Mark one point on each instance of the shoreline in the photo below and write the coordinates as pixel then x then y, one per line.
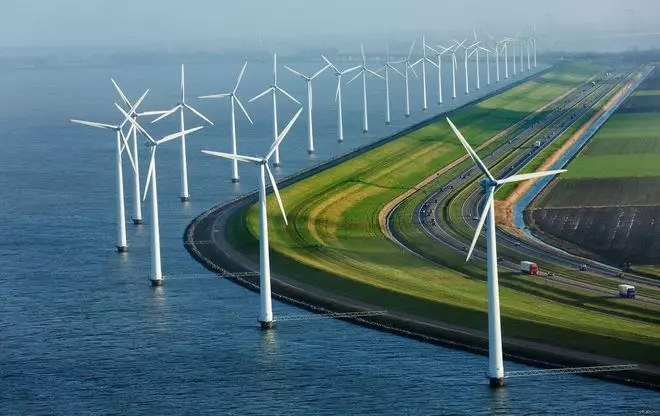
pixel 224 259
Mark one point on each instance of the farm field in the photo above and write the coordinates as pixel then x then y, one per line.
pixel 334 241
pixel 606 206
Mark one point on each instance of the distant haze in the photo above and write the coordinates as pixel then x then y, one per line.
pixel 206 24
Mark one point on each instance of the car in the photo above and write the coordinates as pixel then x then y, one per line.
pixel 517 244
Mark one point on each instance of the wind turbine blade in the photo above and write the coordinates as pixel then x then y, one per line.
pixel 243 108
pixel 413 70
pixel 319 72
pixel 364 59
pixel 133 109
pixel 127 147
pixel 337 91
pixel 397 71
pixel 183 85
pixel 330 63
pixel 474 32
pixel 240 158
pixel 375 74
pixel 149 173
pixel 198 114
pixel 355 77
pixel 471 152
pixel 165 114
pixel 295 72
pixel 136 124
pixel 266 91
pixel 224 95
pixel 240 76
pixel 277 193
pixel 121 93
pixel 411 49
pixel 482 220
pixel 346 71
pixel 288 95
pixel 525 176
pixel 152 113
pixel 94 124
pixel 282 135
pixel 416 62
pixel 179 134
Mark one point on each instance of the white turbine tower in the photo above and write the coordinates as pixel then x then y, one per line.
pixel 340 119
pixel 505 51
pixel 488 52
pixel 490 185
pixel 122 144
pixel 156 276
pixel 454 65
pixel 467 53
pixel 234 100
pixel 310 122
pixel 181 106
pixel 513 53
pixel 408 65
pixel 274 89
pixel 477 47
pixel 387 67
pixel 363 72
pixel 266 313
pixel 137 218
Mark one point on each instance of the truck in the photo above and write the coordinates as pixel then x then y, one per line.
pixel 528 267
pixel 627 291
pixel 537 144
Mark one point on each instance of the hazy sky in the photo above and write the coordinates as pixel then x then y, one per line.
pixel 152 22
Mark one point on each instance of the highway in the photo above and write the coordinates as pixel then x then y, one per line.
pixel 433 217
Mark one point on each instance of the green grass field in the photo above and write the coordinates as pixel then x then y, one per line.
pixel 619 167
pixel 333 240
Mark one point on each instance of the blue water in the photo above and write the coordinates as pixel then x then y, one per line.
pixel 82 332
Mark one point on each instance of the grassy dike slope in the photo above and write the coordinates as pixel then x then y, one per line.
pixel 333 240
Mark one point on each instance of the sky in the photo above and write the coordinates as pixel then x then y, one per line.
pixel 65 23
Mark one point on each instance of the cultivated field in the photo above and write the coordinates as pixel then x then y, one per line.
pixel 608 202
pixel 334 241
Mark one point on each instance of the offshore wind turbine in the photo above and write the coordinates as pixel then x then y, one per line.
pixel 310 125
pixel 156 276
pixel 181 106
pixel 137 217
pixel 454 65
pixel 490 186
pixel 439 52
pixel 363 72
pixel 274 89
pixel 122 145
pixel 234 100
pixel 340 117
pixel 477 47
pixel 388 65
pixel 488 52
pixel 408 65
pixel 266 305
pixel 423 60
pixel 467 53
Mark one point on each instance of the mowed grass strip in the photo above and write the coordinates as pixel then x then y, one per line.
pixel 334 241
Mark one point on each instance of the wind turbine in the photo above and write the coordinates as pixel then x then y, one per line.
pixel 388 65
pixel 407 66
pixel 122 144
pixel 310 125
pixel 439 52
pixel 234 100
pixel 488 52
pixel 339 74
pixel 454 65
pixel 266 313
pixel 423 60
pixel 466 55
pixel 137 218
pixel 490 185
pixel 477 47
pixel 364 71
pixel 513 53
pixel 181 106
pixel 156 272
pixel 274 89
pixel 505 49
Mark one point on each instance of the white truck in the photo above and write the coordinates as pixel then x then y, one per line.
pixel 528 267
pixel 537 144
pixel 627 291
